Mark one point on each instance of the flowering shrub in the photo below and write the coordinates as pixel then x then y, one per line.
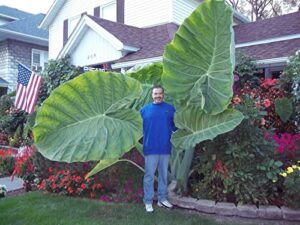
pixel 7 161
pixel 291 185
pixel 3 191
pixel 70 183
pixel 119 183
pixel 24 166
pixel 288 144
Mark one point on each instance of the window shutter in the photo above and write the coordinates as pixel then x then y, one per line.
pixel 65 35
pixel 120 11
pixel 97 12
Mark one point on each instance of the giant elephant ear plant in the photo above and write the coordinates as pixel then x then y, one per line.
pixel 198 68
pixel 95 117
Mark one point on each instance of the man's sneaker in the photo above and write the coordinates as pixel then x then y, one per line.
pixel 165 203
pixel 149 208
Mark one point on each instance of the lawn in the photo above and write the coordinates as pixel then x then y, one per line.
pixel 37 208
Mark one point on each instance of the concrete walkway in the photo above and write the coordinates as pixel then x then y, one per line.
pixel 14 185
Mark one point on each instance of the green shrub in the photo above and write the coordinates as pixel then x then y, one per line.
pixel 56 73
pixel 291 186
pixel 239 166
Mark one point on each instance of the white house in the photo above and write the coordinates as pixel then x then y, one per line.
pixel 115 33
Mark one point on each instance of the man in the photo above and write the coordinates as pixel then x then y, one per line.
pixel 158 125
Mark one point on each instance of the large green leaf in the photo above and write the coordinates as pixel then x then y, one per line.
pixel 103 164
pixel 196 126
pixel 199 62
pixel 284 108
pixel 87 119
pixel 147 74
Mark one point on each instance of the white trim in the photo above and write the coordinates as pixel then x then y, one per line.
pixel 23 35
pixel 269 40
pixel 130 48
pixel 135 62
pixel 273 60
pixel 51 14
pixel 8 17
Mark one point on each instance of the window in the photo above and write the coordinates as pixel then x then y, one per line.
pixel 109 11
pixel 39 60
pixel 72 23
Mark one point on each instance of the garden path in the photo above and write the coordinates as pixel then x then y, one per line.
pixel 12 185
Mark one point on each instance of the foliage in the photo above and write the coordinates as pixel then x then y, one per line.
pixel 235 165
pixel 290 80
pixel 149 74
pixel 5 104
pixel 56 73
pixel 261 9
pixel 77 123
pixel 291 185
pixel 7 161
pixel 245 66
pixel 3 191
pixel 284 108
pixel 264 94
pixel 24 166
pixel 199 62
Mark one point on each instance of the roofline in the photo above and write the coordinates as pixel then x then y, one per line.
pixel 9 17
pixel 56 5
pixel 269 40
pixel 282 60
pixel 86 20
pixel 25 35
pixel 241 16
pixel 135 62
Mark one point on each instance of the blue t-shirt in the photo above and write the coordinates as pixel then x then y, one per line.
pixel 158 124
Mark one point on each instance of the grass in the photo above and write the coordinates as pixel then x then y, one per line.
pixel 37 208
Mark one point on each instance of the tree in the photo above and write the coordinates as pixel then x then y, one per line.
pixel 262 9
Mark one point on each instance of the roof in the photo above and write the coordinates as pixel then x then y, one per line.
pixel 13 13
pixel 278 49
pixel 278 26
pixel 129 35
pixel 154 39
pixel 27 26
pixel 150 41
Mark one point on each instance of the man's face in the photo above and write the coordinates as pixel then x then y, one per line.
pixel 157 95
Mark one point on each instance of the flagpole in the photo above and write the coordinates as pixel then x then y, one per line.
pixel 23 65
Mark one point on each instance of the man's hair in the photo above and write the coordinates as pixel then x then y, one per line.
pixel 158 86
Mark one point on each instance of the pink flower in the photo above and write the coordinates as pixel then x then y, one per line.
pixel 267 103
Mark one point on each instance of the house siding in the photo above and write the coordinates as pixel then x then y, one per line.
pixel 11 53
pixel 94 49
pixel 181 9
pixel 147 13
pixel 70 9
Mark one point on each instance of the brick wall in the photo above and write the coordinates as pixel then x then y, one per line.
pixel 11 53
pixel 3 59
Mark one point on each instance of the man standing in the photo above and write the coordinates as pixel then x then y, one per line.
pixel 158 125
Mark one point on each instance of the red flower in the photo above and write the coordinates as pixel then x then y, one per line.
pixel 236 100
pixel 268 82
pixel 267 103
pixel 83 186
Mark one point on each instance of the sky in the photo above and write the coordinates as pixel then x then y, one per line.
pixel 31 6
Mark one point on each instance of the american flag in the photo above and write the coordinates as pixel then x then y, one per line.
pixel 28 86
